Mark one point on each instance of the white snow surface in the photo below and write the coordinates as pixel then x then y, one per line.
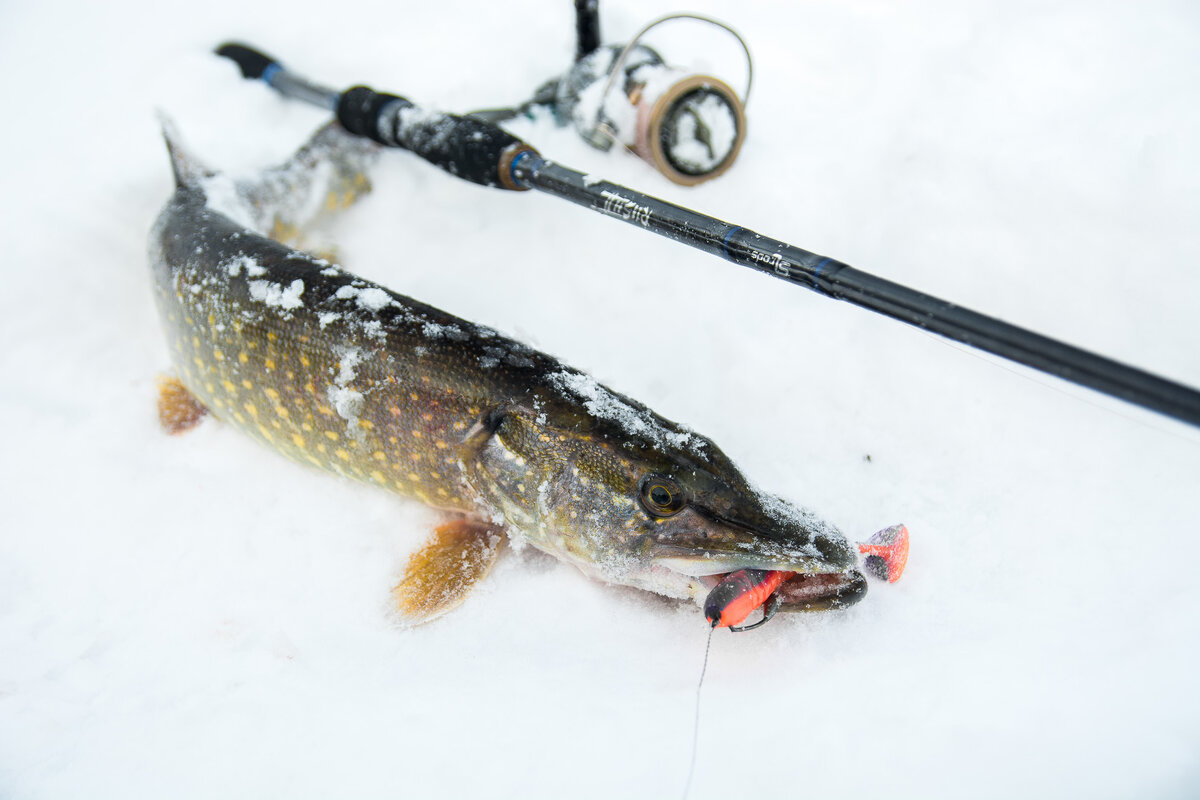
pixel 196 616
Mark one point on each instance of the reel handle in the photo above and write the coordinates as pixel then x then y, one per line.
pixel 466 147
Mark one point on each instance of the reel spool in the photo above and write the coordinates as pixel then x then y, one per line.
pixel 689 126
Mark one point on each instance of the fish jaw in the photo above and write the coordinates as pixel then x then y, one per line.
pixel 821 563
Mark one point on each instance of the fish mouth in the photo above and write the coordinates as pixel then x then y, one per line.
pixel 814 585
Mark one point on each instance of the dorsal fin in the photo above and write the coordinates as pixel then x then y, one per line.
pixel 187 168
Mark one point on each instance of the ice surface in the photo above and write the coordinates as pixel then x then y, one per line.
pixel 197 617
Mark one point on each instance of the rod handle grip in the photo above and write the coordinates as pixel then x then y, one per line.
pixel 466 147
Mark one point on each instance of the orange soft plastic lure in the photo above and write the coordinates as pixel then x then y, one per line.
pixel 739 593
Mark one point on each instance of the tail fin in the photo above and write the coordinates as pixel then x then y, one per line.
pixel 187 168
pixel 328 174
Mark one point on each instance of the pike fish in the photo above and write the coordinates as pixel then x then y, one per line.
pixel 510 443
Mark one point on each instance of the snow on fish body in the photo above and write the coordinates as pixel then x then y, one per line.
pixel 336 371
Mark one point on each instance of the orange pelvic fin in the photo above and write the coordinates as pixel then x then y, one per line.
pixel 178 410
pixel 442 573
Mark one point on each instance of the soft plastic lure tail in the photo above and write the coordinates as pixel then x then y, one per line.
pixel 886 553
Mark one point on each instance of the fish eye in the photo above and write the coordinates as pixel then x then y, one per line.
pixel 661 496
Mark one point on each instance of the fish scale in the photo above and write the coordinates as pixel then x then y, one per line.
pixel 273 371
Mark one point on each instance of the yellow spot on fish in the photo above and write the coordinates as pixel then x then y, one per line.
pixel 251 409
pixel 281 411
pixel 271 393
pixel 229 387
pixel 342 454
pixel 331 435
pixel 266 434
pixel 272 336
pixel 242 357
pixel 241 420
pixel 378 476
pixel 196 342
pixel 520 487
pixel 298 439
pixel 440 444
pixel 366 423
pixel 269 363
pixel 218 355
pixel 321 447
pixel 379 455
pixel 414 476
pixel 427 417
pixel 415 456
pixel 304 360
pixel 210 387
pixel 417 434
pixel 443 492
pixel 414 396
pixel 458 426
pixel 308 428
pixel 472 410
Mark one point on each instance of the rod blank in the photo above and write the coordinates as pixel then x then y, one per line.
pixel 477 150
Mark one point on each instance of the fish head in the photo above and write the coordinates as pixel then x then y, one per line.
pixel 601 481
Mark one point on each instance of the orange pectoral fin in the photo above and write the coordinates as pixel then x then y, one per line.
pixel 178 410
pixel 442 573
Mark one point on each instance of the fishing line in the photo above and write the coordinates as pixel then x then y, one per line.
pixel 687 787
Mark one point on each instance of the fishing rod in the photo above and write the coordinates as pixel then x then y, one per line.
pixel 481 152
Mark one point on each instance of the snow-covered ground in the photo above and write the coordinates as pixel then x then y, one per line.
pixel 199 617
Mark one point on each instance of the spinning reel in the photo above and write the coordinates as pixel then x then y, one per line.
pixel 689 126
